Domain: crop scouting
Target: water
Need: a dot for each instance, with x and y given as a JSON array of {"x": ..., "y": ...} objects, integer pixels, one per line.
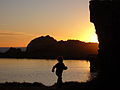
[{"x": 35, "y": 70}]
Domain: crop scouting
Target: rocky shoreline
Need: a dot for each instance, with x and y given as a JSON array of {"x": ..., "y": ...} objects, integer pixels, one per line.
[{"x": 90, "y": 85}]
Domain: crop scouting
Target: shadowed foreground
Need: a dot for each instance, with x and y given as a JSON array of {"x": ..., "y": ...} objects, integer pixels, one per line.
[{"x": 91, "y": 85}]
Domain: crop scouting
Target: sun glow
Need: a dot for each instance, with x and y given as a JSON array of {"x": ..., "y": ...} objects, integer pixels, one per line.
[
  {"x": 89, "y": 34},
  {"x": 62, "y": 19},
  {"x": 92, "y": 36}
]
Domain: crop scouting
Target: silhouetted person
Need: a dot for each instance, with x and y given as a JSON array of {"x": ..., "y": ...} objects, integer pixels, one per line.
[{"x": 59, "y": 70}]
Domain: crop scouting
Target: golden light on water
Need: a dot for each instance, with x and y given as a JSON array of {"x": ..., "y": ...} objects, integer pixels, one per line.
[
  {"x": 78, "y": 64},
  {"x": 32, "y": 70}
]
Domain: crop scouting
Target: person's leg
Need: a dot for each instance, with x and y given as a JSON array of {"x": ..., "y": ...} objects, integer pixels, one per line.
[{"x": 59, "y": 80}]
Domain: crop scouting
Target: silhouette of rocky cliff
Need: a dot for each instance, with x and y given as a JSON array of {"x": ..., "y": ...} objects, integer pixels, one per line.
[
  {"x": 48, "y": 47},
  {"x": 105, "y": 14}
]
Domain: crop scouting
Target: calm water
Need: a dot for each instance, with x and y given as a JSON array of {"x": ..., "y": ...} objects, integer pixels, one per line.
[{"x": 32, "y": 70}]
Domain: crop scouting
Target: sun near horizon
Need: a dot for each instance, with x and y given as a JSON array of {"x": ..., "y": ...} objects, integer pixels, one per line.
[{"x": 23, "y": 20}]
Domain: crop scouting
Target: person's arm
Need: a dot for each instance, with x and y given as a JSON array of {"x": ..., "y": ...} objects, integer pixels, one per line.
[
  {"x": 65, "y": 67},
  {"x": 53, "y": 68}
]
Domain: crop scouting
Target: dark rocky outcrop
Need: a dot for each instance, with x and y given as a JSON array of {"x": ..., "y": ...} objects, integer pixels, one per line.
[
  {"x": 41, "y": 47},
  {"x": 41, "y": 44},
  {"x": 105, "y": 14},
  {"x": 48, "y": 47}
]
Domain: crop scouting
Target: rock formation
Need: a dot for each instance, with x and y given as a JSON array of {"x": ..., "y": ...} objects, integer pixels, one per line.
[
  {"x": 48, "y": 47},
  {"x": 41, "y": 47},
  {"x": 105, "y": 14}
]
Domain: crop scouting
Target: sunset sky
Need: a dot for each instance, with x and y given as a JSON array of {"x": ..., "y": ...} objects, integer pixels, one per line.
[{"x": 24, "y": 20}]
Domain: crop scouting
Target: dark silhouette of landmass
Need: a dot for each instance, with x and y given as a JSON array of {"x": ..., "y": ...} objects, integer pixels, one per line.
[
  {"x": 46, "y": 47},
  {"x": 13, "y": 53},
  {"x": 105, "y": 14}
]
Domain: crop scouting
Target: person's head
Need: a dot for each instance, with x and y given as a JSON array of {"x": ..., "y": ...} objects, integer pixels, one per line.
[{"x": 60, "y": 59}]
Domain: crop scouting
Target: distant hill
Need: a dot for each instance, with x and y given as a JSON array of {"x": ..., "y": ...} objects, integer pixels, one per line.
[
  {"x": 48, "y": 47},
  {"x": 12, "y": 52},
  {"x": 4, "y": 49}
]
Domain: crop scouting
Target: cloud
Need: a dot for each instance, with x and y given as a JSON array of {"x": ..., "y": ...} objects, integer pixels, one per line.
[
  {"x": 10, "y": 33},
  {"x": 13, "y": 33}
]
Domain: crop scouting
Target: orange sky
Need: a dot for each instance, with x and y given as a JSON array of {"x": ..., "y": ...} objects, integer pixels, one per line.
[{"x": 23, "y": 20}]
